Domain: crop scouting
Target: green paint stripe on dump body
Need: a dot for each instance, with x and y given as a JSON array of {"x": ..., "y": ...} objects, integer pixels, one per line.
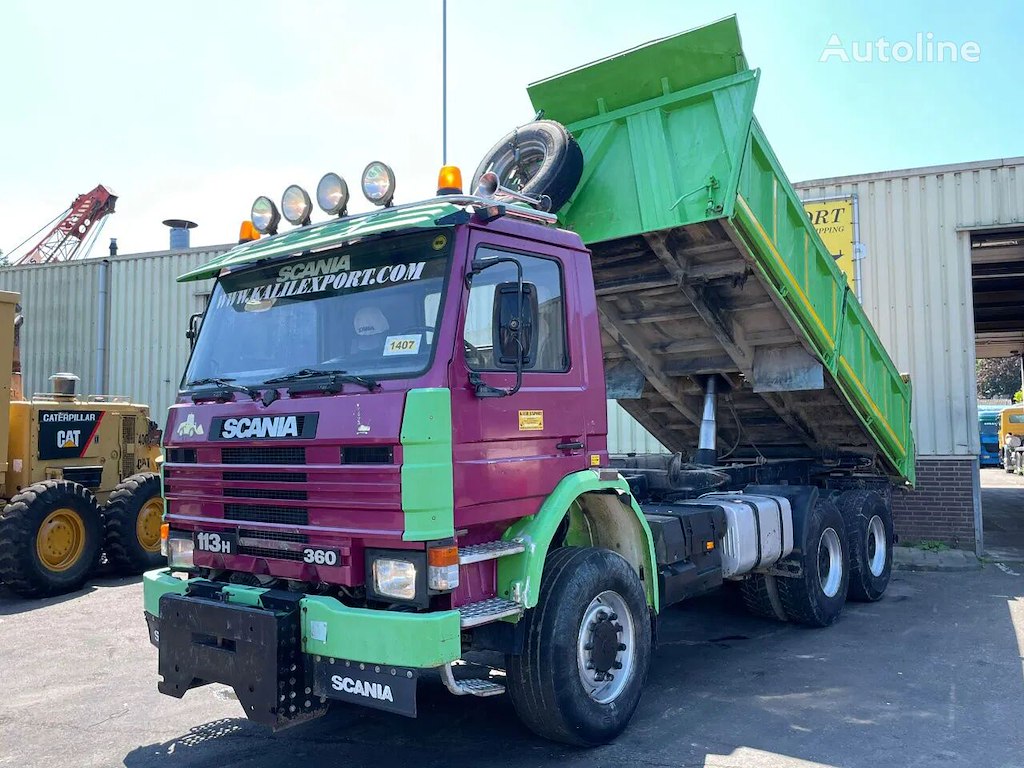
[
  {"x": 669, "y": 140},
  {"x": 380, "y": 637},
  {"x": 537, "y": 530},
  {"x": 428, "y": 494},
  {"x": 330, "y": 234}
]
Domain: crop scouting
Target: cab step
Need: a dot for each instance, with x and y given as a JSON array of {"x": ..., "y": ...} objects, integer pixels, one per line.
[
  {"x": 471, "y": 686},
  {"x": 489, "y": 550},
  {"x": 486, "y": 611}
]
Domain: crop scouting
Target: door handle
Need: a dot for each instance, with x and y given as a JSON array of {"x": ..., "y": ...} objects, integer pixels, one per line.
[{"x": 574, "y": 445}]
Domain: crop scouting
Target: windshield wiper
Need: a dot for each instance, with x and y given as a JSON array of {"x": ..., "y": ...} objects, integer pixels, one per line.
[
  {"x": 223, "y": 385},
  {"x": 336, "y": 376}
]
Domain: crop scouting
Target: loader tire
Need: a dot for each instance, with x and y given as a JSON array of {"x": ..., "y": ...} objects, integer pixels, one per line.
[
  {"x": 816, "y": 597},
  {"x": 549, "y": 162},
  {"x": 586, "y": 650},
  {"x": 50, "y": 538},
  {"x": 133, "y": 514},
  {"x": 761, "y": 596},
  {"x": 869, "y": 535}
]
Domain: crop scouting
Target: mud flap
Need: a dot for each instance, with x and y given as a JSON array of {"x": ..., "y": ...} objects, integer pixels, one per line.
[{"x": 256, "y": 651}]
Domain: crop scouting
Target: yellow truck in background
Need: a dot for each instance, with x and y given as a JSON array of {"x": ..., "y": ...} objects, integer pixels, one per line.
[{"x": 1011, "y": 439}]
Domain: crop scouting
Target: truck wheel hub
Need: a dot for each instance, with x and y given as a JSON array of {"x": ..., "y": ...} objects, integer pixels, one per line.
[
  {"x": 604, "y": 650},
  {"x": 60, "y": 540}
]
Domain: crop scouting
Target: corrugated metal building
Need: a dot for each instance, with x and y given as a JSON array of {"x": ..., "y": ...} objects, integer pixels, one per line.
[
  {"x": 118, "y": 322},
  {"x": 923, "y": 233}
]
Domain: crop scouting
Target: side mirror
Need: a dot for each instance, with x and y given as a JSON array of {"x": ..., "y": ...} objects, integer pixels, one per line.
[
  {"x": 514, "y": 325},
  {"x": 194, "y": 321}
]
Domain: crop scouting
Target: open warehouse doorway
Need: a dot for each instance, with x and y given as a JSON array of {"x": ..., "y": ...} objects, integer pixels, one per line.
[{"x": 997, "y": 287}]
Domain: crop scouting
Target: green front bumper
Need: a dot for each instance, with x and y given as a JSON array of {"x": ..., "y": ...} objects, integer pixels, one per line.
[{"x": 332, "y": 629}]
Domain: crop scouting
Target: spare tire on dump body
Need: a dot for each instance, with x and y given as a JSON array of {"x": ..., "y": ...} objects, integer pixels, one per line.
[{"x": 537, "y": 159}]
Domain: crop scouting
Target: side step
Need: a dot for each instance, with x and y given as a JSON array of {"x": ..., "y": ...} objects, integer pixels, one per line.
[
  {"x": 489, "y": 550},
  {"x": 473, "y": 686},
  {"x": 486, "y": 611}
]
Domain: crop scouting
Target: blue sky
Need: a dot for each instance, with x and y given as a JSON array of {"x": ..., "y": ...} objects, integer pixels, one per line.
[{"x": 192, "y": 109}]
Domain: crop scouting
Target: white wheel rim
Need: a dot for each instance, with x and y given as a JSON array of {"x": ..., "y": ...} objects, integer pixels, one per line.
[
  {"x": 830, "y": 562},
  {"x": 606, "y": 647},
  {"x": 877, "y": 546}
]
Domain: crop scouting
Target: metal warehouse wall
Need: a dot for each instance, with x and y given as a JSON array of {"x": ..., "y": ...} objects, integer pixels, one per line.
[
  {"x": 140, "y": 337},
  {"x": 916, "y": 277},
  {"x": 149, "y": 313},
  {"x": 59, "y": 302}
]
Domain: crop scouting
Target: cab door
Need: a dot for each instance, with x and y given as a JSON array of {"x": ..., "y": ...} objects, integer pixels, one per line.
[{"x": 511, "y": 451}]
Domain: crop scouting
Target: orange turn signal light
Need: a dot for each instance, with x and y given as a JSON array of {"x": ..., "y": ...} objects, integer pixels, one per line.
[
  {"x": 439, "y": 557},
  {"x": 247, "y": 232},
  {"x": 165, "y": 531},
  {"x": 449, "y": 180}
]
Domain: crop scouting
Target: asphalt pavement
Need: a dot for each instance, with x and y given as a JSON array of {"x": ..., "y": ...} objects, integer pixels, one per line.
[{"x": 930, "y": 676}]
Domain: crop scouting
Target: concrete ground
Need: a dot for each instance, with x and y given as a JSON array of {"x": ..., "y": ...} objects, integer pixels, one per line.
[
  {"x": 1002, "y": 510},
  {"x": 930, "y": 676}
]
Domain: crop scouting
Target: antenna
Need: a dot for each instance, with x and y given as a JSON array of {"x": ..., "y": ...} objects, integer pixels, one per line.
[{"x": 444, "y": 82}]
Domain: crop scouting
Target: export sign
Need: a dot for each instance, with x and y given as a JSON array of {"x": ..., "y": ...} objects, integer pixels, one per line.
[{"x": 833, "y": 221}]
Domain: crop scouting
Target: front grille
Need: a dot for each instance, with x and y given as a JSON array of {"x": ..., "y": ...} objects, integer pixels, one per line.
[
  {"x": 265, "y": 493},
  {"x": 263, "y": 454},
  {"x": 181, "y": 455},
  {"x": 367, "y": 454},
  {"x": 259, "y": 513},
  {"x": 267, "y": 477},
  {"x": 127, "y": 463},
  {"x": 276, "y": 554},
  {"x": 298, "y": 538}
]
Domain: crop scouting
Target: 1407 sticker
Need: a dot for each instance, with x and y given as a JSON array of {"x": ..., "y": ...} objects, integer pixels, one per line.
[{"x": 402, "y": 345}]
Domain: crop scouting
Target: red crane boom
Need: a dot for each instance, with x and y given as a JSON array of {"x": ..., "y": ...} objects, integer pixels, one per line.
[{"x": 63, "y": 242}]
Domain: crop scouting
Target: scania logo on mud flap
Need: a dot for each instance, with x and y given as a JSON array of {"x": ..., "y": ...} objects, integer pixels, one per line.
[
  {"x": 358, "y": 687},
  {"x": 288, "y": 426}
]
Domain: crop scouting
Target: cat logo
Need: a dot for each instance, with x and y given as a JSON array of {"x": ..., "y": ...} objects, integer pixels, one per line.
[
  {"x": 69, "y": 438},
  {"x": 188, "y": 427}
]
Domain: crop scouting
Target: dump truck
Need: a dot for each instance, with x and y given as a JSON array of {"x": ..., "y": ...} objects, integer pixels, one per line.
[
  {"x": 390, "y": 448},
  {"x": 79, "y": 476}
]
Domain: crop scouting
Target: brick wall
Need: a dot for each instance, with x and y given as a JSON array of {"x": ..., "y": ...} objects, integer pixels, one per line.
[{"x": 941, "y": 508}]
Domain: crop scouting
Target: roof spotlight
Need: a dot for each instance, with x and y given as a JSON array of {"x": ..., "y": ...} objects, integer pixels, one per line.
[
  {"x": 379, "y": 183},
  {"x": 332, "y": 194},
  {"x": 296, "y": 205},
  {"x": 265, "y": 216}
]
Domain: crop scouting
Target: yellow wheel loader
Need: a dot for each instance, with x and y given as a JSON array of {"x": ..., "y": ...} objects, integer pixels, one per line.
[{"x": 79, "y": 475}]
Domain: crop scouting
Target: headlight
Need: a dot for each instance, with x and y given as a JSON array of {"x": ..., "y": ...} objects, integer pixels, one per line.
[
  {"x": 379, "y": 183},
  {"x": 1013, "y": 441},
  {"x": 295, "y": 205},
  {"x": 332, "y": 194},
  {"x": 394, "y": 578},
  {"x": 264, "y": 216},
  {"x": 179, "y": 551}
]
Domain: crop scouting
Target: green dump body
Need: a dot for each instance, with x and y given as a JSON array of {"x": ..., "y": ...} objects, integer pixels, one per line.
[{"x": 671, "y": 146}]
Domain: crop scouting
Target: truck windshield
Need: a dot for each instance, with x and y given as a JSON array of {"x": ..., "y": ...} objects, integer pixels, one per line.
[{"x": 367, "y": 310}]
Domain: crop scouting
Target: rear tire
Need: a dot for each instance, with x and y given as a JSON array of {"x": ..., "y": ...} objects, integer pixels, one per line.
[
  {"x": 591, "y": 615},
  {"x": 761, "y": 596},
  {"x": 869, "y": 536},
  {"x": 816, "y": 597},
  {"x": 550, "y": 162},
  {"x": 50, "y": 537},
  {"x": 133, "y": 516}
]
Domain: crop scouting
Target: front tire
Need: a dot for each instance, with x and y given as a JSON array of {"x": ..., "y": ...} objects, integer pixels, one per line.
[
  {"x": 50, "y": 537},
  {"x": 584, "y": 661},
  {"x": 816, "y": 597},
  {"x": 133, "y": 515},
  {"x": 869, "y": 535}
]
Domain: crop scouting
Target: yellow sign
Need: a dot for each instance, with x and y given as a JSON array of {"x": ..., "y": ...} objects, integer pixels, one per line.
[
  {"x": 531, "y": 421},
  {"x": 833, "y": 220},
  {"x": 595, "y": 460}
]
